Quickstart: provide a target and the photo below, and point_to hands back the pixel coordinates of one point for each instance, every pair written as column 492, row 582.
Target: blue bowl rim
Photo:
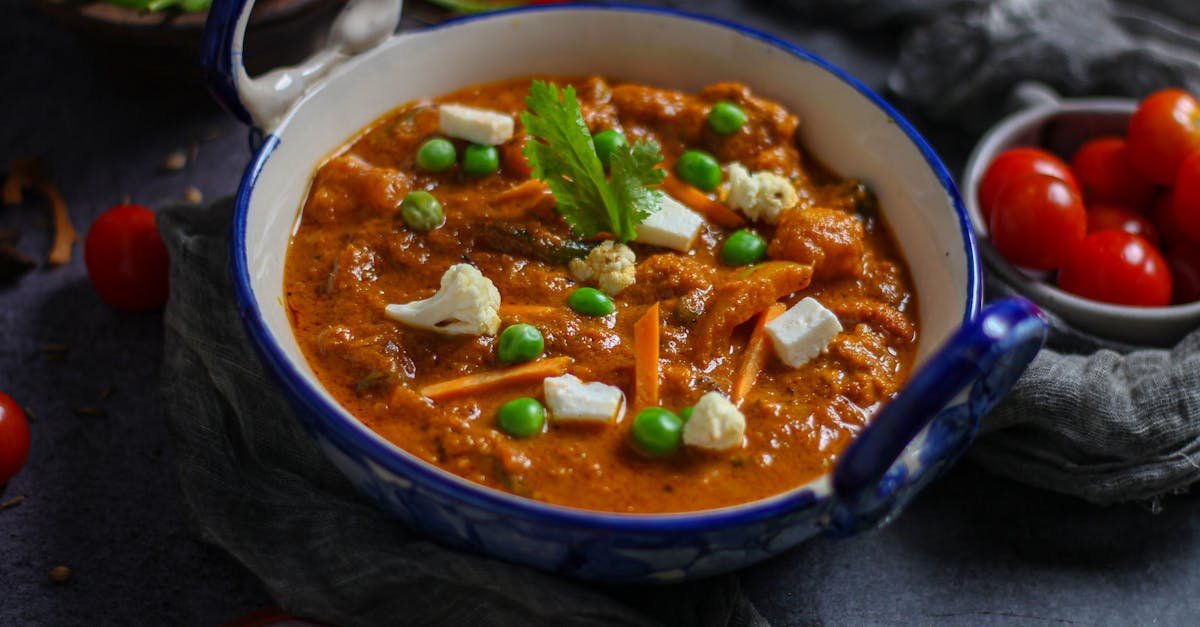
column 406, row 465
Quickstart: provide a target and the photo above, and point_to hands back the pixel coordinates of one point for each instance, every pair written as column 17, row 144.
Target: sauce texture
column 352, row 254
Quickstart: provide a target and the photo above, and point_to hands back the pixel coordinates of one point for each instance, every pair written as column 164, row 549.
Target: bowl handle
column 991, row 351
column 261, row 102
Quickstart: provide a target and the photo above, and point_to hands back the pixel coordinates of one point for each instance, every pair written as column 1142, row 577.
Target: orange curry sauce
column 351, row 255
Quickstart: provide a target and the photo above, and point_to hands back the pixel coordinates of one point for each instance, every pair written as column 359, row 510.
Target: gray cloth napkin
column 959, row 66
column 1104, row 422
column 256, row 485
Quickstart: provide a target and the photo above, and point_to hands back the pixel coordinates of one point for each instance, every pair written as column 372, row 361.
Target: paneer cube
column 716, row 424
column 479, row 126
column 571, row 400
column 673, row 226
column 802, row 332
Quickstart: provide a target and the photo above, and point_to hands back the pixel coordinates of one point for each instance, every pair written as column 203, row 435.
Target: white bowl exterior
column 841, row 126
column 1161, row 326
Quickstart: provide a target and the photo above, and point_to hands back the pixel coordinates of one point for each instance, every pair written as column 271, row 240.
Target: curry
column 707, row 320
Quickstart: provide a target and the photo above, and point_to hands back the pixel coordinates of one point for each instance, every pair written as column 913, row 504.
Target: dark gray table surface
column 101, row 494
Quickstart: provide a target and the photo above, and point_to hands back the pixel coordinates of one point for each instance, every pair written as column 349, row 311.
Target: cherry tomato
column 14, row 438
column 1167, row 224
column 1187, row 197
column 1105, row 175
column 1117, row 267
column 1036, row 219
column 1014, row 164
column 126, row 259
column 1184, row 262
column 1101, row 217
column 1163, row 131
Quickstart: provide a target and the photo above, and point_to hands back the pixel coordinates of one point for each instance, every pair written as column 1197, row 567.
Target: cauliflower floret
column 716, row 424
column 611, row 264
column 467, row 303
column 762, row 195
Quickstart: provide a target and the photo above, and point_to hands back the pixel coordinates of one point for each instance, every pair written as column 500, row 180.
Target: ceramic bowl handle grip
column 995, row 346
column 261, row 102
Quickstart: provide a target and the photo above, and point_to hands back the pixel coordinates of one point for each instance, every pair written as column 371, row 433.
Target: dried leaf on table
column 29, row 174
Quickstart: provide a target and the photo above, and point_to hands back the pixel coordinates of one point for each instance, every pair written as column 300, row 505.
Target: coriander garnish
column 565, row 158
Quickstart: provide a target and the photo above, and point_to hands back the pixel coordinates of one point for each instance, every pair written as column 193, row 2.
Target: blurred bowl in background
column 166, row 44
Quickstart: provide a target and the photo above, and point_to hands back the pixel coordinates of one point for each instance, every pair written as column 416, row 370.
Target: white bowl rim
column 497, row 501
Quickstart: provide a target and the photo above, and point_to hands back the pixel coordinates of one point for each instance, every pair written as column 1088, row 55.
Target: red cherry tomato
column 1187, row 197
column 1163, row 131
column 1106, row 176
column 1184, row 262
column 1117, row 267
column 126, row 259
column 1167, row 224
column 1014, row 164
column 1101, row 217
column 14, row 438
column 1035, row 220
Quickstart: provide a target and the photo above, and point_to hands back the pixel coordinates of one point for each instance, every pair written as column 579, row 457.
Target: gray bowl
column 1061, row 126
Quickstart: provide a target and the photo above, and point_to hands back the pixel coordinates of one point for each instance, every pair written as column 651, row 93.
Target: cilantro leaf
column 565, row 158
column 633, row 173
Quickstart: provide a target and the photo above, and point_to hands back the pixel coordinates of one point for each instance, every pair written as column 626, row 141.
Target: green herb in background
column 163, row 5
column 566, row 160
column 477, row 6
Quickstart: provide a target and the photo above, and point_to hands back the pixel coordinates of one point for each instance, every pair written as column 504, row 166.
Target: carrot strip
column 757, row 352
column 488, row 381
column 645, row 359
column 516, row 311
column 698, row 201
column 738, row 300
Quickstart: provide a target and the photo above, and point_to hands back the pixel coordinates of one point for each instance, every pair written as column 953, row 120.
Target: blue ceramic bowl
column 967, row 358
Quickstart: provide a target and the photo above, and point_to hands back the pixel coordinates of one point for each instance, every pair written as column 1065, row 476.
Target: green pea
column 700, row 169
column 590, row 301
column 725, row 118
column 421, row 211
column 657, row 431
column 608, row 142
column 743, row 248
column 521, row 417
column 436, row 155
column 685, row 414
column 520, row 342
column 480, row 160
